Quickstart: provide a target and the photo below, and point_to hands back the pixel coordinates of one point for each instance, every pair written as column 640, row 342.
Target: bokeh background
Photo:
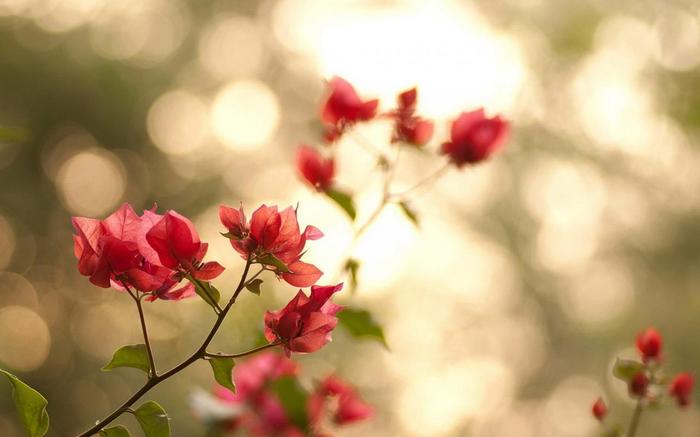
column 504, row 311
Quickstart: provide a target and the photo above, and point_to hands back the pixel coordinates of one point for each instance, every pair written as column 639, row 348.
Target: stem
column 198, row 283
column 243, row 354
column 427, row 181
column 200, row 353
column 151, row 361
column 634, row 422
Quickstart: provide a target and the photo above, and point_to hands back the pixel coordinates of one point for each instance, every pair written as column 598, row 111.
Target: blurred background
column 504, row 312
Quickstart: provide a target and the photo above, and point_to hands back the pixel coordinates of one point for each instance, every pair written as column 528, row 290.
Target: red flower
column 111, row 253
column 649, row 344
column 600, row 410
column 681, row 388
column 343, row 107
column 176, row 242
column 315, row 169
column 273, row 238
column 408, row 127
column 350, row 408
column 638, row 384
column 474, row 137
column 305, row 324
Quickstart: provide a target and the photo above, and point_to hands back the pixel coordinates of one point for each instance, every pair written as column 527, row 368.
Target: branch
column 243, row 354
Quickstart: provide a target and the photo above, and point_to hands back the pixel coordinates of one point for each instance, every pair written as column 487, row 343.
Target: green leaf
column 343, row 200
column 626, row 369
column 13, row 135
column 222, row 368
column 409, row 212
column 207, row 292
column 115, row 431
column 352, row 266
column 153, row 420
column 31, row 406
column 293, row 398
column 133, row 355
column 254, row 286
column 271, row 260
column 360, row 324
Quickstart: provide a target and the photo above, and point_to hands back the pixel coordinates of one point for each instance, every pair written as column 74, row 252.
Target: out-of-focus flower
column 112, row 253
column 681, row 388
column 599, row 409
column 407, row 126
column 474, row 137
column 314, row 168
column 350, row 408
column 343, row 108
column 273, row 238
column 649, row 343
column 306, row 323
column 638, row 384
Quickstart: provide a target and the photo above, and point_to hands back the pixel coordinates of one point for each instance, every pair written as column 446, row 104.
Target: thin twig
column 243, row 354
column 423, row 183
column 634, row 422
column 151, row 361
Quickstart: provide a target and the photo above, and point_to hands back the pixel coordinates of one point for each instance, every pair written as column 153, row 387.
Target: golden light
column 232, row 46
column 563, row 414
column 24, row 338
column 245, row 115
column 677, row 39
column 7, row 242
column 178, row 122
column 64, row 15
column 91, row 183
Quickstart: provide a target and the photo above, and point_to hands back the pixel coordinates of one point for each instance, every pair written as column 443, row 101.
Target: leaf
column 133, row 355
column 13, row 135
column 271, row 260
column 153, row 420
column 352, row 266
column 222, row 368
column 293, row 398
column 31, row 406
column 360, row 324
column 409, row 212
column 115, row 431
column 626, row 369
column 343, row 200
column 254, row 286
column 207, row 292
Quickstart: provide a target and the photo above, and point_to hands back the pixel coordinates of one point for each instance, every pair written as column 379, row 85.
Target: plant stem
column 425, row 182
column 634, row 422
column 151, row 361
column 200, row 353
column 242, row 354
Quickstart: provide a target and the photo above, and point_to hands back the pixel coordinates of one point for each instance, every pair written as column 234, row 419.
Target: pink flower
column 649, row 344
column 474, row 137
column 343, row 107
column 599, row 409
column 408, row 127
column 681, row 388
column 306, row 323
column 638, row 384
column 350, row 408
column 315, row 169
column 272, row 238
column 110, row 252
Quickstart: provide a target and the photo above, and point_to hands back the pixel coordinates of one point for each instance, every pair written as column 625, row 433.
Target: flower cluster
column 265, row 384
column 150, row 253
column 645, row 380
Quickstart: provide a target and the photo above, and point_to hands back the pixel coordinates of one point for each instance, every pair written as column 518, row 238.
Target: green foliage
column 271, row 260
column 222, row 368
column 343, row 200
column 115, row 431
column 254, row 286
column 409, row 212
column 352, row 266
column 207, row 292
column 133, row 355
column 31, row 406
column 153, row 419
column 293, row 398
column 626, row 369
column 360, row 324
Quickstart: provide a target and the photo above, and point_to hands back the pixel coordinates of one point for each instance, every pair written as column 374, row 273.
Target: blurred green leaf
column 409, row 212
column 293, row 398
column 626, row 369
column 254, row 286
column 207, row 292
column 153, row 420
column 14, row 135
column 360, row 324
column 352, row 266
column 31, row 406
column 133, row 355
column 271, row 260
column 222, row 368
column 115, row 431
column 343, row 200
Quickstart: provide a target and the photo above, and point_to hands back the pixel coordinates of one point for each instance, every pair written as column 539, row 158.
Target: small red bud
column 681, row 388
column 649, row 344
column 600, row 410
column 638, row 385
